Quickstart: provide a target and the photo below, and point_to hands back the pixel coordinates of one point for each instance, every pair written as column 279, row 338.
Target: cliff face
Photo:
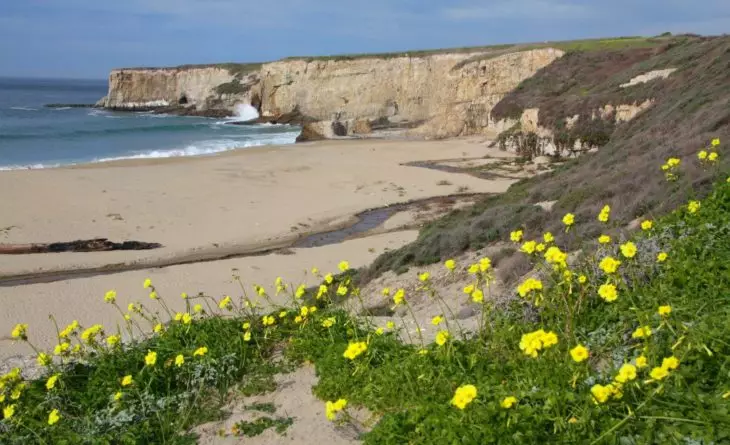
column 451, row 94
column 199, row 88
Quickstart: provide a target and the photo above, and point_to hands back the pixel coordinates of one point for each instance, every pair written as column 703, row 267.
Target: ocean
column 34, row 136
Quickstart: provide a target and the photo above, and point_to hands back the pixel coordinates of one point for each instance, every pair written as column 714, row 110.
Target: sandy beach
column 208, row 207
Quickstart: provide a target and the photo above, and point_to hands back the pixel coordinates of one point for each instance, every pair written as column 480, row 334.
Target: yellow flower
column 113, row 340
column 608, row 292
column 485, row 264
column 268, row 320
column 579, row 353
column 626, row 373
column 20, row 331
column 246, row 325
column 693, row 207
column 548, row 237
column 469, row 289
column 51, row 382
column 201, row 351
column 665, row 310
column 605, row 212
column 61, row 348
column 715, row 142
column 713, row 157
column 147, row 283
column 516, row 236
column 386, row 292
column 187, row 318
column 301, row 290
column 702, row 155
column 304, row 311
column 390, row 325
column 53, row 417
column 569, row 219
column 601, row 393
column 110, row 296
column 131, row 307
column 658, row 373
column 642, row 332
column 464, row 395
column 477, row 296
column 670, row 362
column 609, row 265
column 473, row 269
column 342, row 290
column 673, row 162
column 151, row 358
column 399, row 296
column 329, row 322
column 158, row 328
column 528, row 247
column 179, row 360
column 665, row 167
column 282, row 314
column 661, row 257
column 343, row 266
column 9, row 411
column 582, row 279
column 540, row 247
column 450, row 264
column 422, row 351
column 127, row 317
column 442, row 337
column 646, row 224
column 641, row 362
column 379, row 331
column 259, row 290
column 628, row 249
column 127, row 380
column 44, row 359
column 556, row 257
column 225, row 303
column 312, row 309
column 604, row 239
column 89, row 335
column 315, row 271
column 529, row 285
column 328, row 278
column 118, row 396
column 154, row 296
column 332, row 408
column 437, row 320
column 184, row 296
column 424, row 276
column 354, row 349
column 508, row 402
column 178, row 316
column 298, row 319
column 247, row 336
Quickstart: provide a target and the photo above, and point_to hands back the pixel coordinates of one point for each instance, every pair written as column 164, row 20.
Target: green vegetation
column 232, row 87
column 631, row 350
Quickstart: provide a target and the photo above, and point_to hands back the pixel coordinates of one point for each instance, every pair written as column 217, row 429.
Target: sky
column 87, row 38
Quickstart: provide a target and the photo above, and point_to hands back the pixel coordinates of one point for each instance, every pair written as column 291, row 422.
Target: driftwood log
column 92, row 245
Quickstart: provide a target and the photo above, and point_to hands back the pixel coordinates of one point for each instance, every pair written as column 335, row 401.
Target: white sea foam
column 62, row 108
column 24, row 108
column 27, row 167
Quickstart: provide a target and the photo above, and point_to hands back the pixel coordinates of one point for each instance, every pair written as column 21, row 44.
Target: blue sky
column 86, row 38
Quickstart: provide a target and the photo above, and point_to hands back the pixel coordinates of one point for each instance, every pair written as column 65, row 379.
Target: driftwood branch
column 92, row 245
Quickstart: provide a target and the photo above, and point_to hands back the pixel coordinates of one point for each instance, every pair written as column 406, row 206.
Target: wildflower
column 158, row 328
column 110, row 296
column 579, row 353
column 422, row 351
column 390, row 325
column 464, row 395
column 646, row 224
column 131, row 307
column 442, row 337
column 702, row 155
column 665, row 310
column 601, row 393
column 343, row 266
column 437, row 320
column 113, row 340
column 154, row 296
column 127, row 380
column 477, row 296
column 529, row 285
column 321, row 291
column 533, row 342
column 268, row 320
column 342, row 290
column 626, row 373
column 508, row 402
column 450, row 264
column 379, row 331
column 673, row 162
column 279, row 284
column 386, row 292
column 282, row 314
column 609, row 265
column 473, row 269
column 61, row 348
column 658, row 373
column 184, row 296
column 147, row 283
column 556, row 257
column 201, row 351
column 53, row 417
column 693, row 207
column 127, row 317
column 642, row 332
column 713, row 156
column 569, row 219
column 572, row 420
column 118, row 396
column 151, row 358
column 301, row 290
column 179, row 360
column 548, row 237
column 9, row 411
column 260, row 291
column 485, row 264
column 187, row 318
column 298, row 319
column 332, row 408
column 469, row 289
column 528, row 247
column 68, row 330
column 605, row 212
column 604, row 239
column 304, row 311
column 540, row 247
column 424, row 276
column 516, row 236
column 20, row 331
column 354, row 349
column 247, row 336
column 628, row 249
column 608, row 292
column 582, row 279
column 328, row 278
column 198, row 308
column 329, row 322
column 665, row 167
column 225, row 303
column 641, row 362
column 670, row 362
column 715, row 142
column 178, row 316
column 661, row 257
column 399, row 296
column 43, row 359
column 89, row 335
column 51, row 382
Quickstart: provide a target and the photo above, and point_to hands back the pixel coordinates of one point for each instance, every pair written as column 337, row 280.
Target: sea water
column 34, row 136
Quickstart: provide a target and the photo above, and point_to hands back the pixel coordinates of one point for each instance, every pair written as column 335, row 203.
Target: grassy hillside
column 690, row 108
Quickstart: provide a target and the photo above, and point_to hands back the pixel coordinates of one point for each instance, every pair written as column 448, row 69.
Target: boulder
column 361, row 126
column 311, row 132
